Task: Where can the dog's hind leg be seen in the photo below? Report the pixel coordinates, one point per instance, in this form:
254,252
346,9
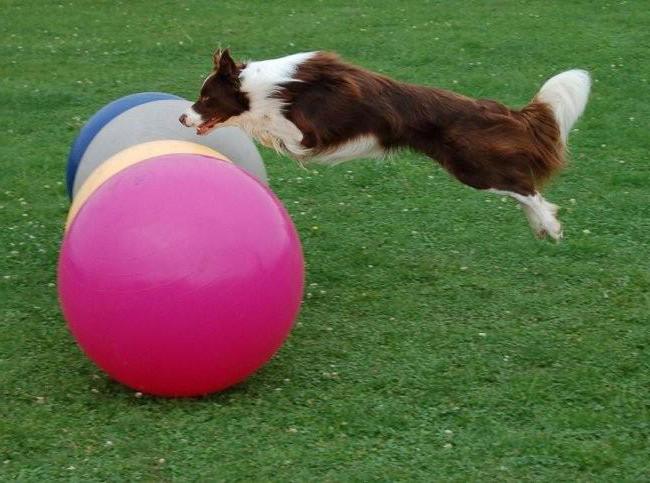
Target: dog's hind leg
541,213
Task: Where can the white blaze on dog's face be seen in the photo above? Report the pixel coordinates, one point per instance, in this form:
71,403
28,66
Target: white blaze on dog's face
220,98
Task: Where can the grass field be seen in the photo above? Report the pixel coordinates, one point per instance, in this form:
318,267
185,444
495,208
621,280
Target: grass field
438,340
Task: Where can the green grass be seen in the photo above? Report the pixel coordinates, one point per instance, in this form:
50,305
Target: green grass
438,339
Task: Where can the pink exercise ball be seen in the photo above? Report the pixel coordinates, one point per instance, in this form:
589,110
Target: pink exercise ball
181,275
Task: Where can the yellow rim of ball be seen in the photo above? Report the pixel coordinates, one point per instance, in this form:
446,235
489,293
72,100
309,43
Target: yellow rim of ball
129,157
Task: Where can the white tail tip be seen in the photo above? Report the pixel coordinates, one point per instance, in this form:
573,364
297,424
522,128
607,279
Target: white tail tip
567,94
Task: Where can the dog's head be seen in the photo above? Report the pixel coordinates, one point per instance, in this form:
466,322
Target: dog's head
220,98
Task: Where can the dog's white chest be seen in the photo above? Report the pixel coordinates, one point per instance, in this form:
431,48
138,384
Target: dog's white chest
265,121
272,130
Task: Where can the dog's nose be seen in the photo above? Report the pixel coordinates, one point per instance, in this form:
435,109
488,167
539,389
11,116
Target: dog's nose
183,119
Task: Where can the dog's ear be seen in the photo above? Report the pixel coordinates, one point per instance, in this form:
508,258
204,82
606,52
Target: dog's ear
223,63
216,57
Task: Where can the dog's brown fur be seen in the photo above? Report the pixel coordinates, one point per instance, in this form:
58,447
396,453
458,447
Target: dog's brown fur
481,142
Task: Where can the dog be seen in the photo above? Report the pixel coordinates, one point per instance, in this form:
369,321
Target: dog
315,106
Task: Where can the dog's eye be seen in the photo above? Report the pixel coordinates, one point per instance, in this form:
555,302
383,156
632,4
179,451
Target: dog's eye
203,98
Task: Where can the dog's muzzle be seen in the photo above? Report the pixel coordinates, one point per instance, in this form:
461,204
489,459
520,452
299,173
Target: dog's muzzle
185,120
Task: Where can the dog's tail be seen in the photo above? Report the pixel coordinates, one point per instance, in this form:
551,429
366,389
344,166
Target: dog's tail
566,94
551,115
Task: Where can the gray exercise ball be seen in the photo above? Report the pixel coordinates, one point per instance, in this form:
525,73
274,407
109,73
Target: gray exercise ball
157,120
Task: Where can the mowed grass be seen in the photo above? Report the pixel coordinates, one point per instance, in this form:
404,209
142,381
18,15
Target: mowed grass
438,340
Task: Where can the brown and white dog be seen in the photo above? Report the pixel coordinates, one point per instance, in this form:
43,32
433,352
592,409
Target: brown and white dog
314,106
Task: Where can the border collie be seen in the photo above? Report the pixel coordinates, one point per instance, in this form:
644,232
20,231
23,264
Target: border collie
314,106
